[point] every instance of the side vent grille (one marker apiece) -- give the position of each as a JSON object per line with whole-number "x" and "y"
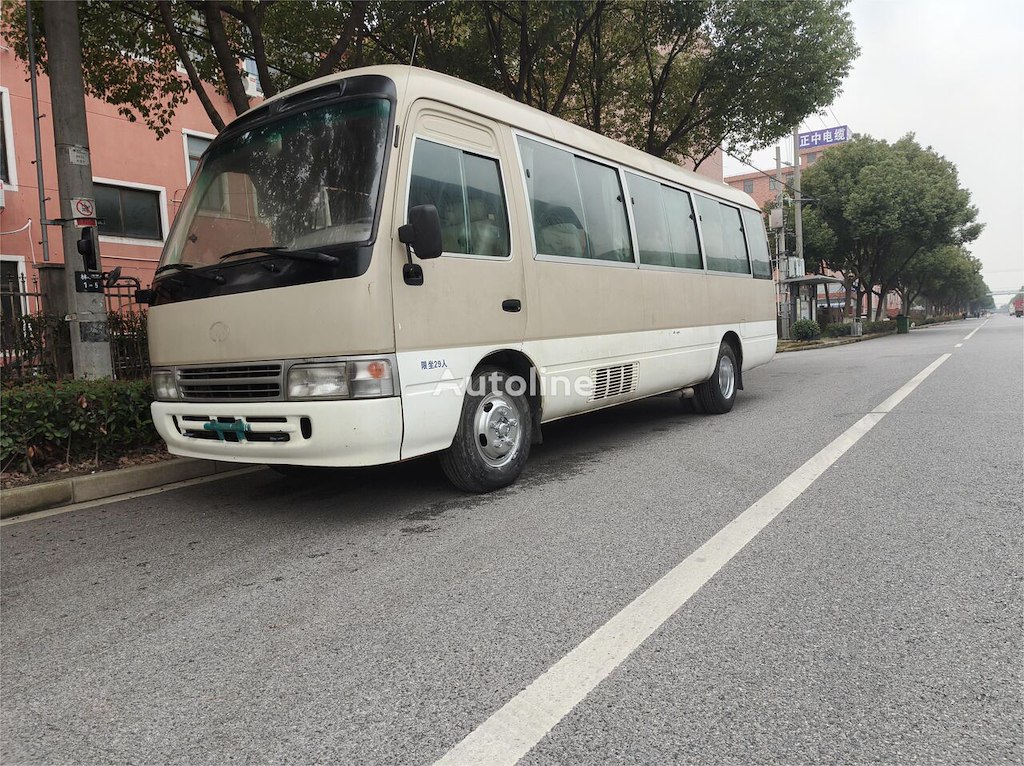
{"x": 612, "y": 381}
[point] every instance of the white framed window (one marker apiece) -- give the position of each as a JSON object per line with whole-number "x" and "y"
{"x": 8, "y": 167}
{"x": 195, "y": 144}
{"x": 215, "y": 200}
{"x": 132, "y": 213}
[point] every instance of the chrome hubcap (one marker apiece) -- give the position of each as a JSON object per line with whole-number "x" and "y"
{"x": 497, "y": 429}
{"x": 726, "y": 377}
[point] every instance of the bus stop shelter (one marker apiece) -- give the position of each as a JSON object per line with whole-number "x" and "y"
{"x": 802, "y": 295}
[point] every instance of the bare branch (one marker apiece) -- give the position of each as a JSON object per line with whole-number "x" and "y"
{"x": 186, "y": 62}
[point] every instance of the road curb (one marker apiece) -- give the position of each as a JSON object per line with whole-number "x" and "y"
{"x": 79, "y": 489}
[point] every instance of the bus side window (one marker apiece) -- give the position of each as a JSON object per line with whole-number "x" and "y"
{"x": 757, "y": 244}
{"x": 652, "y": 229}
{"x": 732, "y": 238}
{"x": 485, "y": 201}
{"x": 685, "y": 244}
{"x": 466, "y": 190}
{"x": 605, "y": 210}
{"x": 555, "y": 199}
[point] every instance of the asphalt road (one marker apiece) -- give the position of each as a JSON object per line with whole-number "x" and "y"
{"x": 377, "y": 616}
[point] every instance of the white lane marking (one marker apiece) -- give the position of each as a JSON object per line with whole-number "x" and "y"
{"x": 971, "y": 334}
{"x": 126, "y": 496}
{"x": 959, "y": 345}
{"x": 512, "y": 731}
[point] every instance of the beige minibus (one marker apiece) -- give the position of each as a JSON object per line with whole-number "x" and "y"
{"x": 390, "y": 262}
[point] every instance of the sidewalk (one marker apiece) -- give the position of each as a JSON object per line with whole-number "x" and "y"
{"x": 79, "y": 489}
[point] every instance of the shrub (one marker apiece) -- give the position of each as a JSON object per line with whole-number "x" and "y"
{"x": 73, "y": 420}
{"x": 806, "y": 329}
{"x": 879, "y": 327}
{"x": 838, "y": 330}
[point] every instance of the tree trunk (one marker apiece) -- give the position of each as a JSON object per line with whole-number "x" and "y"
{"x": 225, "y": 58}
{"x": 353, "y": 30}
{"x": 253, "y": 16}
{"x": 167, "y": 17}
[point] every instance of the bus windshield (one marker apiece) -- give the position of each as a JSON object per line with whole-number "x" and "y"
{"x": 308, "y": 181}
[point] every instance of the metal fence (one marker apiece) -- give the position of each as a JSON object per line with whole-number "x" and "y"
{"x": 126, "y": 322}
{"x": 35, "y": 343}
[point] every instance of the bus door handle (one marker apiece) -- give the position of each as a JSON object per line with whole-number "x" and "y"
{"x": 512, "y": 304}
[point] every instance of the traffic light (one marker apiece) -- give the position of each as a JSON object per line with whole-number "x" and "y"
{"x": 87, "y": 249}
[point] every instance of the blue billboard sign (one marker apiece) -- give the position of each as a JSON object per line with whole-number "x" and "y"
{"x": 825, "y": 137}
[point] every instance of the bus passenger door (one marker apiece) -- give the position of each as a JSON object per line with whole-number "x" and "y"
{"x": 472, "y": 301}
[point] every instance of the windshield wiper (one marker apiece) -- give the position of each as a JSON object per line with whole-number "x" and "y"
{"x": 187, "y": 268}
{"x": 298, "y": 255}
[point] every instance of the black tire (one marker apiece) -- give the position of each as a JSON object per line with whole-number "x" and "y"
{"x": 492, "y": 442}
{"x": 717, "y": 394}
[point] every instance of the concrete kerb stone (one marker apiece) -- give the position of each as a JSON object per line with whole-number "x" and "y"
{"x": 792, "y": 345}
{"x": 79, "y": 489}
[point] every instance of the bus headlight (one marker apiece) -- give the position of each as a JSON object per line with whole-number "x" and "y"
{"x": 371, "y": 378}
{"x": 314, "y": 381}
{"x": 165, "y": 387}
{"x": 356, "y": 379}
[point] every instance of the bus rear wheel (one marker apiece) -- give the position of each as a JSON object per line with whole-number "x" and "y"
{"x": 492, "y": 442}
{"x": 717, "y": 394}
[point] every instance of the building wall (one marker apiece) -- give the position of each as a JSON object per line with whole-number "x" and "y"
{"x": 712, "y": 167}
{"x": 761, "y": 184}
{"x": 125, "y": 153}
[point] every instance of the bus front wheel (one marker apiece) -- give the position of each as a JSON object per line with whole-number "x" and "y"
{"x": 718, "y": 394}
{"x": 492, "y": 442}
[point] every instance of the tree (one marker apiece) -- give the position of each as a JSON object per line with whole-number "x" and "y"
{"x": 726, "y": 73}
{"x": 884, "y": 204}
{"x": 132, "y": 51}
{"x": 949, "y": 278}
{"x": 676, "y": 79}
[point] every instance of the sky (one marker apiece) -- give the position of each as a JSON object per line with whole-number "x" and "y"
{"x": 952, "y": 73}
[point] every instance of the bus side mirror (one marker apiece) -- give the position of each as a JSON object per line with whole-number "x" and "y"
{"x": 423, "y": 232}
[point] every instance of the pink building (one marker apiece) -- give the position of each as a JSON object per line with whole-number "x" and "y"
{"x": 139, "y": 180}
{"x": 762, "y": 185}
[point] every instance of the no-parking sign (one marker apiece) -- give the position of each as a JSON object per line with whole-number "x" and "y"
{"x": 83, "y": 207}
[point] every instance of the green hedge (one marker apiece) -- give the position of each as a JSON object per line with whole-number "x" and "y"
{"x": 881, "y": 326}
{"x": 935, "y": 320}
{"x": 837, "y": 330}
{"x": 806, "y": 329}
{"x": 73, "y": 420}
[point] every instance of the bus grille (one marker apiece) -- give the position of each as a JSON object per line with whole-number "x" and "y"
{"x": 612, "y": 381}
{"x": 231, "y": 383}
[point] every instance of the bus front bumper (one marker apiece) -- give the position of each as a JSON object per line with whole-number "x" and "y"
{"x": 356, "y": 432}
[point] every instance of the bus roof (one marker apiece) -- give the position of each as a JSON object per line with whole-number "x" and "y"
{"x": 425, "y": 83}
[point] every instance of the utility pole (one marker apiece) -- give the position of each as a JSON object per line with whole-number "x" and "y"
{"x": 45, "y": 241}
{"x": 87, "y": 314}
{"x": 781, "y": 245}
{"x": 798, "y": 223}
